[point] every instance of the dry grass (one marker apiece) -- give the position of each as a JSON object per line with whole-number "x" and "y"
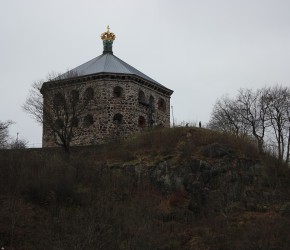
{"x": 49, "y": 200}
{"x": 180, "y": 141}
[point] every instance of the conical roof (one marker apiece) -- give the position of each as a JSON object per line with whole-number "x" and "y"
{"x": 109, "y": 63}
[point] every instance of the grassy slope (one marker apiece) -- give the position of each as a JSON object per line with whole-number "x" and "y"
{"x": 51, "y": 201}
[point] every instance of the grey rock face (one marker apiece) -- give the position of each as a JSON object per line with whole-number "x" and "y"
{"x": 210, "y": 187}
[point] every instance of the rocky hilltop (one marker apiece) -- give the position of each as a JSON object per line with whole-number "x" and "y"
{"x": 181, "y": 188}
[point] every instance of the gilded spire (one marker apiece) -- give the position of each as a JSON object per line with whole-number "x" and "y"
{"x": 108, "y": 35}
{"x": 108, "y": 39}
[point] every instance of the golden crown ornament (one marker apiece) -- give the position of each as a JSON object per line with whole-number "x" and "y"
{"x": 108, "y": 35}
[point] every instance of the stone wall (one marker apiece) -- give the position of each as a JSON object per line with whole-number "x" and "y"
{"x": 118, "y": 108}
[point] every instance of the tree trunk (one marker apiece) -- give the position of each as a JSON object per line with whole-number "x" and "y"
{"x": 260, "y": 145}
{"x": 288, "y": 148}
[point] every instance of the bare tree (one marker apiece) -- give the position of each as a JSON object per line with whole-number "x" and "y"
{"x": 57, "y": 108}
{"x": 4, "y": 133}
{"x": 263, "y": 114}
{"x": 34, "y": 102}
{"x": 243, "y": 115}
{"x": 278, "y": 101}
{"x": 252, "y": 110}
{"x": 225, "y": 117}
{"x": 18, "y": 144}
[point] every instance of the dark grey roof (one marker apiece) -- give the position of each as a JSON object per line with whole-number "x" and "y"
{"x": 108, "y": 63}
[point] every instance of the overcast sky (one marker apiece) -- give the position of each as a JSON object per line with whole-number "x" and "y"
{"x": 201, "y": 49}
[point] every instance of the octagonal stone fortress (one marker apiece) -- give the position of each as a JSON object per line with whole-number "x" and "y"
{"x": 120, "y": 99}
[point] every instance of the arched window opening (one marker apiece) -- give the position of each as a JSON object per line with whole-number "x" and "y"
{"x": 118, "y": 92}
{"x": 58, "y": 100}
{"x": 89, "y": 94}
{"x": 141, "y": 96}
{"x": 59, "y": 124}
{"x": 160, "y": 125}
{"x": 74, "y": 95}
{"x": 88, "y": 120}
{"x": 151, "y": 102}
{"x": 141, "y": 122}
{"x": 118, "y": 118}
{"x": 161, "y": 105}
{"x": 74, "y": 122}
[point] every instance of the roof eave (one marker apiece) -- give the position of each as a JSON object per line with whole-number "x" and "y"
{"x": 104, "y": 75}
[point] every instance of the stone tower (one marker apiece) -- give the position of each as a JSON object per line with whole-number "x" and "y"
{"x": 117, "y": 100}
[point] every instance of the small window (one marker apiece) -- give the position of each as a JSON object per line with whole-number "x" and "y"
{"x": 161, "y": 105}
{"x": 58, "y": 100}
{"x": 141, "y": 96}
{"x": 118, "y": 92}
{"x": 141, "y": 122}
{"x": 74, "y": 122}
{"x": 59, "y": 124}
{"x": 118, "y": 118}
{"x": 89, "y": 94}
{"x": 74, "y": 96}
{"x": 151, "y": 102}
{"x": 88, "y": 120}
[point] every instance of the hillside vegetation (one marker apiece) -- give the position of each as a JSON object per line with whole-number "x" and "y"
{"x": 180, "y": 188}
